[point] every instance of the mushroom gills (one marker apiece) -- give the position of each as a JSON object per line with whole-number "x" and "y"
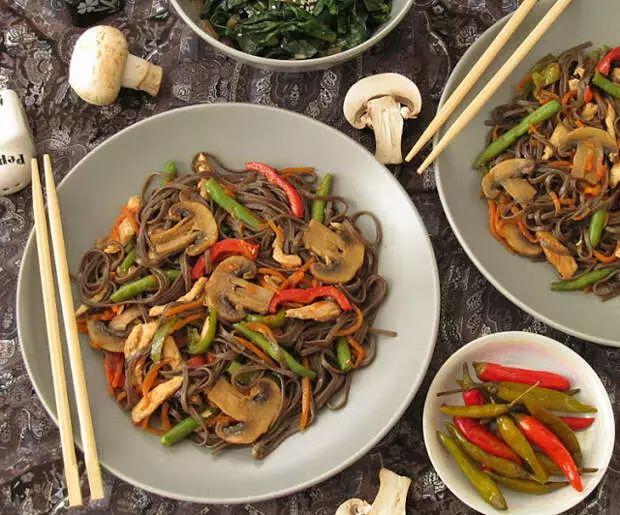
{"x": 517, "y": 242}
{"x": 100, "y": 337}
{"x": 508, "y": 174}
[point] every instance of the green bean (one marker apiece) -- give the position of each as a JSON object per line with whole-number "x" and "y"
{"x": 484, "y": 411}
{"x": 526, "y": 486}
{"x": 130, "y": 257}
{"x": 170, "y": 172}
{"x": 197, "y": 345}
{"x": 582, "y": 282}
{"x": 135, "y": 288}
{"x": 273, "y": 321}
{"x": 547, "y": 398}
{"x": 485, "y": 486}
{"x": 606, "y": 85}
{"x": 184, "y": 428}
{"x": 507, "y": 139}
{"x": 318, "y": 205}
{"x": 275, "y": 351}
{"x": 343, "y": 353}
{"x": 159, "y": 337}
{"x": 597, "y": 224}
{"x": 517, "y": 441}
{"x": 236, "y": 210}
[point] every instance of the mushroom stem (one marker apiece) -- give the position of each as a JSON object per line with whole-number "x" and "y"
{"x": 141, "y": 75}
{"x": 387, "y": 124}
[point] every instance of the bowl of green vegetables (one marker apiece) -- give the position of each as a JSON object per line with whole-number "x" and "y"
{"x": 292, "y": 35}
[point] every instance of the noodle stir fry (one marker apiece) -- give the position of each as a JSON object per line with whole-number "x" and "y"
{"x": 551, "y": 169}
{"x": 232, "y": 306}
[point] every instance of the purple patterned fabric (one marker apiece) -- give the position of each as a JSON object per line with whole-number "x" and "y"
{"x": 36, "y": 39}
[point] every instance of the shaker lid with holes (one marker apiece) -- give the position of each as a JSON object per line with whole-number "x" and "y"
{"x": 16, "y": 145}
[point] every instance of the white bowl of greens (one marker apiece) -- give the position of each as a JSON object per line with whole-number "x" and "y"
{"x": 294, "y": 35}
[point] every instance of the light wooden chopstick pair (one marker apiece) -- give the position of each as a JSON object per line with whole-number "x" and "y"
{"x": 87, "y": 433}
{"x": 492, "y": 86}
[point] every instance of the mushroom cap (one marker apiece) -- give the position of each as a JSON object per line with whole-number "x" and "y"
{"x": 97, "y": 64}
{"x": 501, "y": 172}
{"x": 395, "y": 85}
{"x": 101, "y": 337}
{"x": 517, "y": 242}
{"x": 589, "y": 134}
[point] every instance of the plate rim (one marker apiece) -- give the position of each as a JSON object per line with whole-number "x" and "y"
{"x": 448, "y": 89}
{"x": 396, "y": 416}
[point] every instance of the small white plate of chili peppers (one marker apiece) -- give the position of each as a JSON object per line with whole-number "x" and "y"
{"x": 518, "y": 422}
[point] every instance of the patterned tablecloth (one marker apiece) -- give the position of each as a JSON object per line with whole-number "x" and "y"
{"x": 36, "y": 39}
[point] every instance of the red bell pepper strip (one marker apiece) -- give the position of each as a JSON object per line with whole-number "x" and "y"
{"x": 198, "y": 270}
{"x": 578, "y": 423}
{"x": 114, "y": 366}
{"x": 540, "y": 435}
{"x": 588, "y": 95}
{"x": 306, "y": 296}
{"x": 604, "y": 66}
{"x": 498, "y": 373}
{"x": 241, "y": 247}
{"x": 297, "y": 205}
{"x": 477, "y": 434}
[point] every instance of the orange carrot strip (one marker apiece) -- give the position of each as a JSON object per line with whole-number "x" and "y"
{"x": 306, "y": 397}
{"x": 593, "y": 190}
{"x": 579, "y": 124}
{"x": 492, "y": 216}
{"x": 250, "y": 346}
{"x": 81, "y": 325}
{"x": 561, "y": 164}
{"x": 150, "y": 376}
{"x": 166, "y": 425}
{"x": 184, "y": 307}
{"x": 297, "y": 276}
{"x": 523, "y": 82}
{"x": 263, "y": 329}
{"x": 299, "y": 169}
{"x": 184, "y": 321}
{"x": 106, "y": 316}
{"x": 356, "y": 326}
{"x": 556, "y": 201}
{"x": 549, "y": 96}
{"x": 219, "y": 418}
{"x": 603, "y": 258}
{"x": 121, "y": 396}
{"x": 566, "y": 98}
{"x": 534, "y": 130}
{"x": 360, "y": 352}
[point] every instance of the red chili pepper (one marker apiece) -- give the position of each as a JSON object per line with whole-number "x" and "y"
{"x": 297, "y": 205}
{"x": 604, "y": 66}
{"x": 242, "y": 247}
{"x": 577, "y": 423}
{"x": 588, "y": 95}
{"x": 540, "y": 435}
{"x": 114, "y": 366}
{"x": 477, "y": 434}
{"x": 198, "y": 270}
{"x": 308, "y": 295}
{"x": 494, "y": 372}
{"x": 196, "y": 361}
{"x": 471, "y": 396}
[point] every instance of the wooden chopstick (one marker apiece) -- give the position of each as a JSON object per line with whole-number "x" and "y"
{"x": 504, "y": 72}
{"x": 72, "y": 474}
{"x": 472, "y": 77}
{"x": 87, "y": 432}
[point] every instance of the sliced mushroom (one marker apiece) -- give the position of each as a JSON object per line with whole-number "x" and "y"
{"x": 155, "y": 398}
{"x": 559, "y": 133}
{"x": 391, "y": 498}
{"x": 376, "y": 102}
{"x": 557, "y": 254}
{"x": 171, "y": 351}
{"x": 516, "y": 241}
{"x": 341, "y": 248}
{"x": 195, "y": 292}
{"x": 122, "y": 321}
{"x": 321, "y": 311}
{"x": 287, "y": 260}
{"x": 354, "y": 506}
{"x": 139, "y": 338}
{"x": 230, "y": 294}
{"x": 102, "y": 338}
{"x": 196, "y": 231}
{"x": 253, "y": 413}
{"x": 507, "y": 174}
{"x": 591, "y": 143}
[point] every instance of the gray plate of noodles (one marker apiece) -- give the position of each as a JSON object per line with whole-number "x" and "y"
{"x": 240, "y": 317}
{"x": 530, "y": 187}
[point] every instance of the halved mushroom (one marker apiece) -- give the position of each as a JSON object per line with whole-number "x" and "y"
{"x": 341, "y": 248}
{"x": 375, "y": 102}
{"x": 253, "y": 413}
{"x": 557, "y": 254}
{"x": 517, "y": 242}
{"x": 228, "y": 292}
{"x": 121, "y": 322}
{"x": 155, "y": 398}
{"x": 103, "y": 338}
{"x": 321, "y": 311}
{"x": 196, "y": 231}
{"x": 195, "y": 292}
{"x": 508, "y": 175}
{"x": 591, "y": 143}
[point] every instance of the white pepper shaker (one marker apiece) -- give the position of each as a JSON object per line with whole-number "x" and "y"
{"x": 16, "y": 145}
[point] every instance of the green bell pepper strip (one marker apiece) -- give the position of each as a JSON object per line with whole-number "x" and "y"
{"x": 275, "y": 352}
{"x": 196, "y": 345}
{"x": 170, "y": 172}
{"x": 503, "y": 466}
{"x": 507, "y": 139}
{"x": 236, "y": 210}
{"x": 582, "y": 282}
{"x": 547, "y": 76}
{"x": 606, "y": 85}
{"x": 272, "y": 321}
{"x": 597, "y": 224}
{"x": 135, "y": 288}
{"x": 184, "y": 428}
{"x": 516, "y": 440}
{"x": 343, "y": 354}
{"x": 130, "y": 257}
{"x": 485, "y": 486}
{"x": 484, "y": 411}
{"x": 547, "y": 398}
{"x": 318, "y": 205}
{"x": 234, "y": 367}
{"x": 158, "y": 339}
{"x": 526, "y": 486}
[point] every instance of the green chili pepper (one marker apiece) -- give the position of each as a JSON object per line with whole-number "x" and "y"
{"x": 184, "y": 428}
{"x": 501, "y": 465}
{"x": 526, "y": 486}
{"x": 273, "y": 321}
{"x": 236, "y": 210}
{"x": 158, "y": 339}
{"x": 135, "y": 288}
{"x": 507, "y": 139}
{"x": 606, "y": 85}
{"x": 318, "y": 206}
{"x": 557, "y": 425}
{"x": 343, "y": 353}
{"x": 582, "y": 282}
{"x": 196, "y": 345}
{"x": 597, "y": 224}
{"x": 485, "y": 486}
{"x": 517, "y": 441}
{"x": 484, "y": 411}
{"x": 547, "y": 76}
{"x": 130, "y": 257}
{"x": 276, "y": 352}
{"x": 549, "y": 399}
{"x": 552, "y": 468}
{"x": 170, "y": 172}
